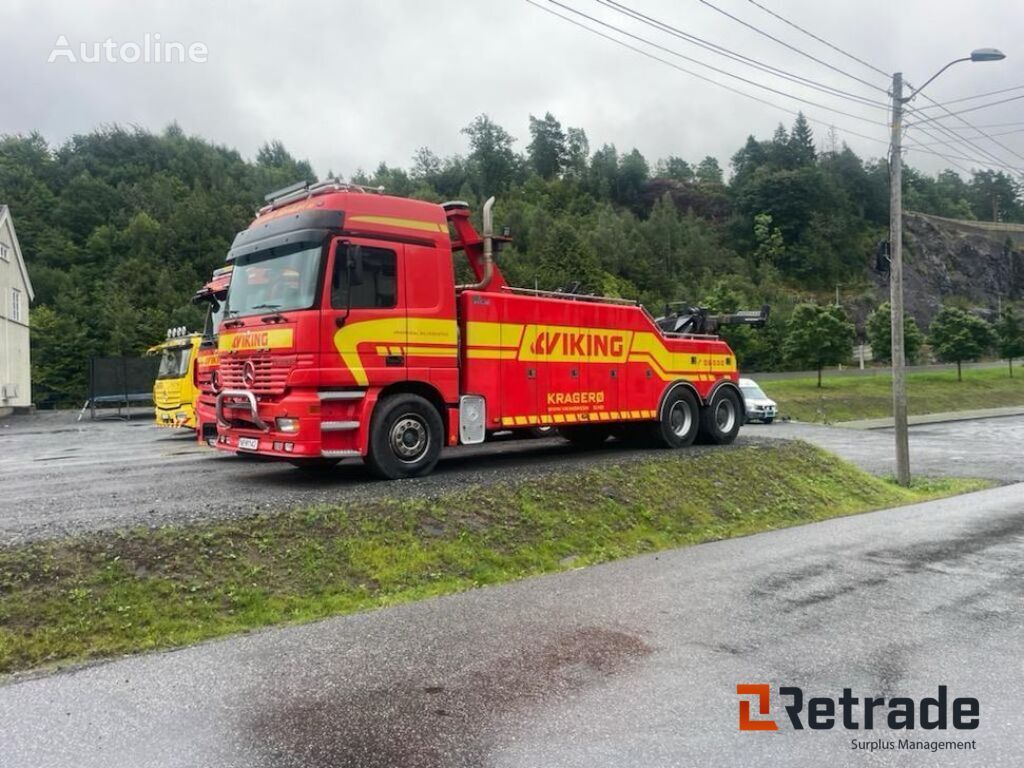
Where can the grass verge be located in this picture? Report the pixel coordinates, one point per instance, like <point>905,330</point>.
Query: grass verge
<point>110,593</point>
<point>870,397</point>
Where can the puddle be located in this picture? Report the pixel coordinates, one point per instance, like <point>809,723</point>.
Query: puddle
<point>429,723</point>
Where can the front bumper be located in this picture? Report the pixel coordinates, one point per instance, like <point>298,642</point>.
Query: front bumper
<point>327,428</point>
<point>179,416</point>
<point>759,412</point>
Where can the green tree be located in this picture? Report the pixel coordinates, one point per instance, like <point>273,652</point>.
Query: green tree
<point>674,168</point>
<point>817,336</point>
<point>956,336</point>
<point>547,151</point>
<point>879,331</point>
<point>709,172</point>
<point>577,150</point>
<point>801,142</point>
<point>490,156</point>
<point>1010,335</point>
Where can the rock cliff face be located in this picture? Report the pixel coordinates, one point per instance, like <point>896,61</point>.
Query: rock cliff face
<point>979,263</point>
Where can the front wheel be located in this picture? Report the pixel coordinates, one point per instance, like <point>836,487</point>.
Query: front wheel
<point>405,437</point>
<point>769,420</point>
<point>720,418</point>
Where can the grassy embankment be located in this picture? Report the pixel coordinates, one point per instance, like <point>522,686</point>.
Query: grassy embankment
<point>870,397</point>
<point>111,593</point>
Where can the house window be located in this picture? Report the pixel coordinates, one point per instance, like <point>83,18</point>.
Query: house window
<point>16,305</point>
<point>4,252</point>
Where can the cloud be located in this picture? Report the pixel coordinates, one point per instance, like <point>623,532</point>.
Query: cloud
<point>348,84</point>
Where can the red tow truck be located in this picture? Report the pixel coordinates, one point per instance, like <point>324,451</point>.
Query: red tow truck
<point>213,295</point>
<point>346,335</point>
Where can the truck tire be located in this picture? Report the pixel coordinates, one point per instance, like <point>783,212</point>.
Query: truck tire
<point>720,419</point>
<point>680,420</point>
<point>586,435</point>
<point>406,433</point>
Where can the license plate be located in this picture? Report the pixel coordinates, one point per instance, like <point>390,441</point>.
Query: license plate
<point>248,444</point>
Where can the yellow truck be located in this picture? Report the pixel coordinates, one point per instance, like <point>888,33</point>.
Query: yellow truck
<point>175,390</point>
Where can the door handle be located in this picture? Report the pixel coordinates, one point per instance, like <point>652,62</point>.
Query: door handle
<point>394,360</point>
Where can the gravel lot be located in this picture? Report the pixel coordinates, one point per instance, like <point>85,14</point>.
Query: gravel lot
<point>59,476</point>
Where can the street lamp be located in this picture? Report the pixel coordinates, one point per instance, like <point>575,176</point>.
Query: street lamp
<point>899,381</point>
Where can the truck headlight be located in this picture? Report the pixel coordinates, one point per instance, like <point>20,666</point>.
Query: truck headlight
<point>287,424</point>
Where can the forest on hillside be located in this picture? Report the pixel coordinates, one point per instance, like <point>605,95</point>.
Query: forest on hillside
<point>120,226</point>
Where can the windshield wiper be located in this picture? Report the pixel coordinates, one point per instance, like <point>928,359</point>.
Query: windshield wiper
<point>273,317</point>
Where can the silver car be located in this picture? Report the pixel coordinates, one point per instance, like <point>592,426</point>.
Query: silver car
<point>760,407</point>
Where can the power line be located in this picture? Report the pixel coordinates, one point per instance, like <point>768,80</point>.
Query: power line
<point>967,123</point>
<point>743,59</point>
<point>965,111</point>
<point>947,102</point>
<point>989,125</point>
<point>792,47</point>
<point>708,66</point>
<point>987,135</point>
<point>698,75</point>
<point>935,104</point>
<point>956,141</point>
<point>948,156</point>
<point>835,48</point>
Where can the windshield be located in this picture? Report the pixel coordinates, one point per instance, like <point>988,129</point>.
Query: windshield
<point>174,362</point>
<point>275,280</point>
<point>753,392</point>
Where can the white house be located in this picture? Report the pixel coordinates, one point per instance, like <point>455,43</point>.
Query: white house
<point>15,295</point>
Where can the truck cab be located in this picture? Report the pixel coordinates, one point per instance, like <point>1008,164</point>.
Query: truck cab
<point>345,335</point>
<point>212,295</point>
<point>174,391</point>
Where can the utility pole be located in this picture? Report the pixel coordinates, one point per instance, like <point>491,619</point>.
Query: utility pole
<point>899,380</point>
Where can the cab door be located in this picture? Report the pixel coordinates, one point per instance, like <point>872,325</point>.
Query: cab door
<point>364,319</point>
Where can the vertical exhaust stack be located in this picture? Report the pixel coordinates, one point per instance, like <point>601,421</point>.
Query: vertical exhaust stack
<point>488,256</point>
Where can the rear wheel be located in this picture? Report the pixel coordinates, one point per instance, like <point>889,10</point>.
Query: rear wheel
<point>586,435</point>
<point>680,415</point>
<point>720,418</point>
<point>405,437</point>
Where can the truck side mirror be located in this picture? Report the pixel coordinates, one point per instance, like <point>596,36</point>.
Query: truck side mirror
<point>354,264</point>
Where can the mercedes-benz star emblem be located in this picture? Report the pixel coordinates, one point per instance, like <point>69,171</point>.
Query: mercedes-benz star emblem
<point>248,374</point>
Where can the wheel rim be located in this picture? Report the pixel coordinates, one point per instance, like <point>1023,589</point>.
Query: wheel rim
<point>409,438</point>
<point>680,419</point>
<point>725,415</point>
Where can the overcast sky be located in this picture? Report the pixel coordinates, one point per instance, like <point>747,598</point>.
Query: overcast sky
<point>347,83</point>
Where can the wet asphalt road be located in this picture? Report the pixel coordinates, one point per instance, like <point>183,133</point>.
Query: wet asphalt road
<point>59,476</point>
<point>633,663</point>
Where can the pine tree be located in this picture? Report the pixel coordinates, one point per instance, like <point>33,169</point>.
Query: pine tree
<point>801,142</point>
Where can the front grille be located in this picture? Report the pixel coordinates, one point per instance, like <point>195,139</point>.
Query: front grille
<point>271,372</point>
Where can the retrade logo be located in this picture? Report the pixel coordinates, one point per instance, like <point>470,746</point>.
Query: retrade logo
<point>763,693</point>
<point>822,713</point>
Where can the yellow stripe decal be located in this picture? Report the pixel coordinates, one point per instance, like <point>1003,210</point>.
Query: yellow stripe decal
<point>396,221</point>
